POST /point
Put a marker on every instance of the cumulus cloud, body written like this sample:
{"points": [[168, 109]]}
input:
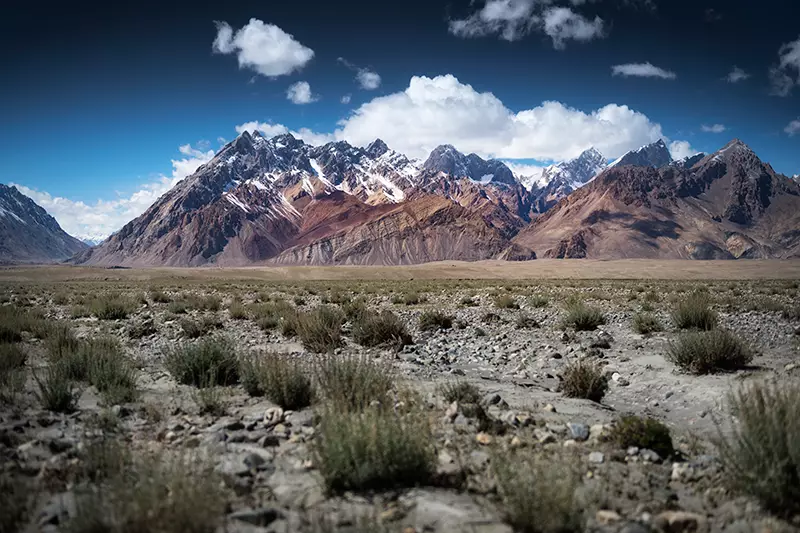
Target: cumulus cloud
{"points": [[96, 221], [269, 130], [681, 150], [513, 19], [792, 128], [642, 70], [366, 78], [346, 99], [736, 75], [714, 128], [786, 74], [264, 48], [300, 93]]}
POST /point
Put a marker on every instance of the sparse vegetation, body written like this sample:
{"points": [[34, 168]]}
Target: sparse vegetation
{"points": [[57, 390], [505, 301], [385, 328], [646, 323], [212, 360], [644, 433], [584, 379], [461, 392], [705, 352], [320, 330], [282, 379], [194, 329], [112, 307], [759, 450], [538, 301], [237, 310], [525, 321], [433, 320], [582, 317], [12, 372], [694, 312], [352, 383]]}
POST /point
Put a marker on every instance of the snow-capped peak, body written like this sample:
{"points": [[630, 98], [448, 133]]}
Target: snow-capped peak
{"points": [[650, 155]]}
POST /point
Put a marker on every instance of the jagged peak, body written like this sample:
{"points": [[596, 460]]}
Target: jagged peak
{"points": [[377, 148]]}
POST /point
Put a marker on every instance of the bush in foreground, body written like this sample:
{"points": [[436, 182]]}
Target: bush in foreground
{"points": [[211, 361], [583, 379], [320, 330], [582, 317], [538, 493], [373, 450], [760, 455], [385, 328], [694, 312], [461, 392], [351, 383], [646, 323], [705, 352], [433, 320], [643, 432], [282, 379], [57, 390]]}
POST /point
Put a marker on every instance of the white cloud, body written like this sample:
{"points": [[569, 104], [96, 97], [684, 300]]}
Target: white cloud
{"points": [[264, 48], [681, 149], [642, 70], [792, 128], [368, 80], [714, 128], [346, 99], [528, 174], [786, 74], [269, 130], [562, 24], [513, 19], [736, 75], [300, 93], [96, 221]]}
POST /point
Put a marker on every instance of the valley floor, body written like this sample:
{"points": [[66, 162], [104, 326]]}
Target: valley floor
{"points": [[474, 397]]}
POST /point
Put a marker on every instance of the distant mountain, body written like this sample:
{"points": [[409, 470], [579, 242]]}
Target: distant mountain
{"points": [[727, 205], [563, 178], [654, 155], [28, 234]]}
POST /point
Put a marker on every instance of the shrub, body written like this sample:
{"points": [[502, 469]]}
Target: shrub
{"points": [[57, 390], [351, 383], [504, 301], [646, 323], [209, 399], [269, 316], [159, 296], [112, 308], [209, 361], [355, 309], [432, 320], [582, 379], [760, 455], [385, 328], [582, 317], [237, 310], [525, 321], [281, 378], [177, 307], [694, 312], [320, 330], [538, 493], [461, 392], [468, 301], [12, 372], [538, 300], [109, 371], [194, 329], [152, 493], [705, 352], [642, 432], [408, 298], [373, 450], [16, 500]]}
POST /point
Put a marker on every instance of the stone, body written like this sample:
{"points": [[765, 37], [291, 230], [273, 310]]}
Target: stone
{"points": [[596, 457], [479, 459], [578, 431], [549, 408], [598, 432], [483, 438], [617, 378], [679, 522], [452, 411], [492, 398], [261, 517], [649, 456], [273, 415], [606, 517]]}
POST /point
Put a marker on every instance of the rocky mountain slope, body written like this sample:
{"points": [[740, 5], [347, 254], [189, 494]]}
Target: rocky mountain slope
{"points": [[28, 234], [727, 205], [562, 179]]}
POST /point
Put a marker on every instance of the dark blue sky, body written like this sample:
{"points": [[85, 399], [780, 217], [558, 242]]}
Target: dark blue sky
{"points": [[97, 98]]}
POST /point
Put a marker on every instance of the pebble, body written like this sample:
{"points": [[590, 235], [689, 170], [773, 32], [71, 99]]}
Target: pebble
{"points": [[649, 456], [578, 431], [596, 457], [549, 408], [617, 378], [483, 438], [605, 517], [679, 522]]}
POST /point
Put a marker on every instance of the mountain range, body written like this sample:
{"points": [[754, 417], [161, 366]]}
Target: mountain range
{"points": [[28, 234], [282, 201]]}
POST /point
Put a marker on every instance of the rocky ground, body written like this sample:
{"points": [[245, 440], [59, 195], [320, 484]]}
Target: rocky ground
{"points": [[260, 463]]}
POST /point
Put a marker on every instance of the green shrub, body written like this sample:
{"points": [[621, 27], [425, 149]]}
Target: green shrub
{"points": [[373, 450], [355, 310], [57, 390], [12, 372], [212, 360], [320, 330], [271, 315], [461, 392], [538, 300], [582, 317], [538, 492], [237, 310], [505, 301], [646, 323], [433, 320], [705, 352], [159, 296], [209, 399], [643, 433], [282, 379], [17, 498], [583, 379], [109, 370], [193, 329], [351, 383], [759, 454], [112, 307], [468, 301], [177, 307], [385, 328], [525, 321], [408, 298], [694, 312]]}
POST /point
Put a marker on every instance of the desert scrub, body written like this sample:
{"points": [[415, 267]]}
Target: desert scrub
{"points": [[705, 352], [57, 390], [237, 310], [408, 298], [433, 320], [582, 317], [112, 307], [645, 323], [386, 328], [505, 301], [12, 372], [109, 370], [352, 383], [584, 379], [194, 329], [469, 301], [538, 301], [17, 497], [759, 451], [282, 379], [160, 297], [212, 360], [694, 312], [271, 315], [320, 330], [538, 492], [179, 494], [525, 321], [375, 449], [460, 391], [642, 432]]}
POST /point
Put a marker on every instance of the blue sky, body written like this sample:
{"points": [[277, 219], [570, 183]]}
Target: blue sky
{"points": [[98, 103]]}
